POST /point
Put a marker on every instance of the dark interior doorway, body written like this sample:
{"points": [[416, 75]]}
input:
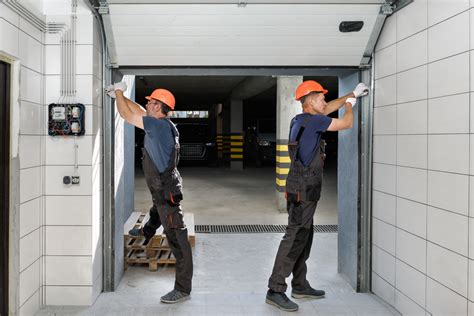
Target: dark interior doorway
{"points": [[4, 182]]}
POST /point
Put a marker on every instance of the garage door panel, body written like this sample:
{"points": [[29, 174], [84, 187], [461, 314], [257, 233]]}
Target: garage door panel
{"points": [[235, 41], [243, 31], [139, 60], [143, 10], [243, 51], [280, 21], [223, 35]]}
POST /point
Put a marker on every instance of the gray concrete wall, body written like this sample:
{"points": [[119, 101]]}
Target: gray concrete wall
{"points": [[348, 189]]}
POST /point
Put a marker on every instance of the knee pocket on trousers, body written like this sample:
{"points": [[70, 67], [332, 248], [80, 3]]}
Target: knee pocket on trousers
{"points": [[174, 218], [295, 212], [299, 243]]}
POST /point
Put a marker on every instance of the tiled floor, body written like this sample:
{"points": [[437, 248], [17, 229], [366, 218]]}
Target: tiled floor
{"points": [[230, 278]]}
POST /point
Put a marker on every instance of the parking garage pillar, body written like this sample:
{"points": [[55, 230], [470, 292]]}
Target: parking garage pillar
{"points": [[287, 108], [236, 134]]}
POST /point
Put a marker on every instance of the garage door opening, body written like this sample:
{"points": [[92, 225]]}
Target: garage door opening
{"points": [[213, 133], [229, 199]]}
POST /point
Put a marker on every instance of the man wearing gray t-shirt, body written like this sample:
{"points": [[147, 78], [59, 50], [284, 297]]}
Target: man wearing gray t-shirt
{"points": [[160, 158]]}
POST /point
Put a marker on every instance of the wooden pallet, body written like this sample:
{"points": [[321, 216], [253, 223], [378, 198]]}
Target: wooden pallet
{"points": [[138, 219], [156, 251], [152, 258]]}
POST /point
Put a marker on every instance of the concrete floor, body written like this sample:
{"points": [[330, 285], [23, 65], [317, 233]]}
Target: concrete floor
{"points": [[231, 270], [222, 196], [230, 278]]}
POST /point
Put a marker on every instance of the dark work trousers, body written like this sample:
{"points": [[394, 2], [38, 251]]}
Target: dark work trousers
{"points": [[171, 217], [295, 247], [154, 222]]}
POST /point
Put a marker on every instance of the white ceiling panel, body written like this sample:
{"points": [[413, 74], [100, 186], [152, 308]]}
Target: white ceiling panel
{"points": [[231, 35]]}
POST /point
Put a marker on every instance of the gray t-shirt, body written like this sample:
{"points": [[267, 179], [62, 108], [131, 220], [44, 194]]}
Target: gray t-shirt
{"points": [[159, 141]]}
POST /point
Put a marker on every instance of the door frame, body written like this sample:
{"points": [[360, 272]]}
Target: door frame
{"points": [[363, 252], [5, 85]]}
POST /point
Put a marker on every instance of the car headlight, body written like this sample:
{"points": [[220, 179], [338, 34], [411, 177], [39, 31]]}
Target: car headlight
{"points": [[264, 143], [210, 144]]}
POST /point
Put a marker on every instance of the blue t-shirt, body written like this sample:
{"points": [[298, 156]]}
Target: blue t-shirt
{"points": [[159, 141], [315, 125]]}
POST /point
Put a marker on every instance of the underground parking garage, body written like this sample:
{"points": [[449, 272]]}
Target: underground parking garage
{"points": [[253, 41]]}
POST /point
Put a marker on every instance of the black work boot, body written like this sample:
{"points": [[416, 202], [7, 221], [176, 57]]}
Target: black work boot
{"points": [[309, 292], [280, 300], [175, 296], [136, 232]]}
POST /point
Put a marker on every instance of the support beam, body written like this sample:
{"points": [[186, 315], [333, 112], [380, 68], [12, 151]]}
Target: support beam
{"points": [[287, 108], [236, 138]]}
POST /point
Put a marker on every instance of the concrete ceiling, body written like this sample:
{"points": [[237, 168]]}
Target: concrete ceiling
{"points": [[189, 90], [255, 33], [193, 91]]}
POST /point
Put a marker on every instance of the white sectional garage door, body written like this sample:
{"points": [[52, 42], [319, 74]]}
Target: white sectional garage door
{"points": [[225, 33]]}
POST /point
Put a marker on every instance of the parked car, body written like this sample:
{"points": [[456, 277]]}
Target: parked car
{"points": [[197, 141], [260, 142]]}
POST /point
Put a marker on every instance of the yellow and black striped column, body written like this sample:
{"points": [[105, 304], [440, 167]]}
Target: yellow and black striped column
{"points": [[220, 145], [282, 164], [236, 147], [226, 147]]}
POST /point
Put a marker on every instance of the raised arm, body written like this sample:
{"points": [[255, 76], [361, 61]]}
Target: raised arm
{"points": [[360, 90], [347, 119], [130, 111], [334, 105]]}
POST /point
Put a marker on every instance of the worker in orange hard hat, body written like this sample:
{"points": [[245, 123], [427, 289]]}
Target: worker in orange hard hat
{"points": [[303, 188], [160, 158]]}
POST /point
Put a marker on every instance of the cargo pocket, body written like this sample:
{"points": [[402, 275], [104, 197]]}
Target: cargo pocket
{"points": [[174, 217], [173, 200], [313, 191], [294, 187], [173, 188], [295, 214]]}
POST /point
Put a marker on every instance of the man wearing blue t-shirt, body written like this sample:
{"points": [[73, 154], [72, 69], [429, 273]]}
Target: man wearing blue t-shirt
{"points": [[303, 188], [160, 158]]}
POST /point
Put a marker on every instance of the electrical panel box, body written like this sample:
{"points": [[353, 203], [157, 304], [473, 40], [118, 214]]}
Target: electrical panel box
{"points": [[66, 119]]}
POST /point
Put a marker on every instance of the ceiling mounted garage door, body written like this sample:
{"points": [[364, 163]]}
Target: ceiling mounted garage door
{"points": [[248, 33]]}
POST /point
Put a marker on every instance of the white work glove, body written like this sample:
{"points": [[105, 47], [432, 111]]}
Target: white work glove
{"points": [[352, 101], [361, 90], [110, 90], [120, 86]]}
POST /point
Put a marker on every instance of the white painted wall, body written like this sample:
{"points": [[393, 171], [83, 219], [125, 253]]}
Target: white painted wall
{"points": [[56, 236], [423, 160]]}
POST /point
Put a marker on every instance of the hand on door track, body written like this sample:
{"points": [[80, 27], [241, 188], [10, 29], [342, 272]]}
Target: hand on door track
{"points": [[120, 86], [361, 90], [110, 90]]}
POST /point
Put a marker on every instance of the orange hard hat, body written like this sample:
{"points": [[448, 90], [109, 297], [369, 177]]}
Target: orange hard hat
{"points": [[164, 96], [308, 86]]}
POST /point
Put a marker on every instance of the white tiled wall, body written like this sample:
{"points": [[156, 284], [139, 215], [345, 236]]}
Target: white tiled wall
{"points": [[60, 253], [72, 275], [20, 42], [423, 231]]}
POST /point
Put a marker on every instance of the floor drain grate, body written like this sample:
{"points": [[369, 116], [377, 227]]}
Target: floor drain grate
{"points": [[249, 229]]}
